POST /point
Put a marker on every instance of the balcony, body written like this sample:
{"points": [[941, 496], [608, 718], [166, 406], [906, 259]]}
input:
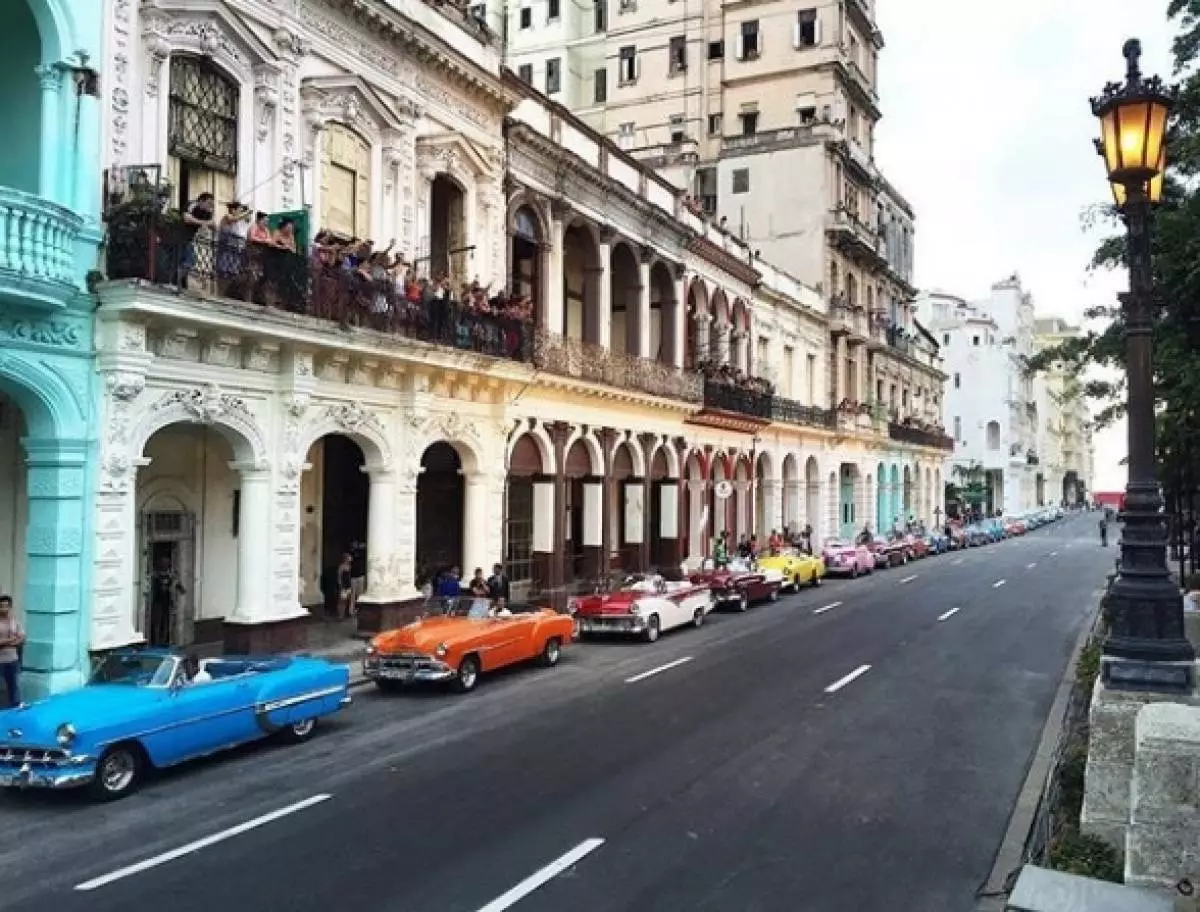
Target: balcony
{"points": [[789, 411], [783, 138], [579, 360], [848, 319], [852, 235], [160, 254], [727, 398], [665, 155], [37, 250], [920, 436], [760, 408]]}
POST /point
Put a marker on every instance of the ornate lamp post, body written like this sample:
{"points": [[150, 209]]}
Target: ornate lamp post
{"points": [[1146, 647]]}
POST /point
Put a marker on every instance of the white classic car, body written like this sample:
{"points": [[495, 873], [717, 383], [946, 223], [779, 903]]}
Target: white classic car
{"points": [[644, 606]]}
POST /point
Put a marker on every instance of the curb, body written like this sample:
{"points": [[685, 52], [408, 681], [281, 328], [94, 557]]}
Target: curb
{"points": [[992, 896]]}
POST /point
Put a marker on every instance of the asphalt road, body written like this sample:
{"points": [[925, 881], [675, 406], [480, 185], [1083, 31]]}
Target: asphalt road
{"points": [[854, 758]]}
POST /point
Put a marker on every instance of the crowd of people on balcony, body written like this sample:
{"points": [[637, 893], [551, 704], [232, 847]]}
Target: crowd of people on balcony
{"points": [[725, 374]]}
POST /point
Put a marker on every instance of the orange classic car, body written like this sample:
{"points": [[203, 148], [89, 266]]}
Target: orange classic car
{"points": [[459, 640]]}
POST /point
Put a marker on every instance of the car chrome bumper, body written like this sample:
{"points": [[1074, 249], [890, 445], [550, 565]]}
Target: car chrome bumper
{"points": [[838, 570], [432, 672], [624, 623], [69, 774]]}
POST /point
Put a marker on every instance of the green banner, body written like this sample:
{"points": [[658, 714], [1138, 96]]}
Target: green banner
{"points": [[300, 218]]}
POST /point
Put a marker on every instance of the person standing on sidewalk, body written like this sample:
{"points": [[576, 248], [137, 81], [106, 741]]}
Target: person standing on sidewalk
{"points": [[1104, 531], [12, 638]]}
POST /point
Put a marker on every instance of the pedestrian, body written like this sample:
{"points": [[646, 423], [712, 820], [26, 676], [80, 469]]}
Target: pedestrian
{"points": [[197, 218], [721, 552], [358, 574], [165, 589], [345, 586], [498, 586], [449, 588], [1104, 531], [479, 588], [12, 638]]}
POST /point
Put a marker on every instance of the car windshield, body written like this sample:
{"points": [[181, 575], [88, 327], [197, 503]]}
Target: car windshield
{"points": [[134, 669], [475, 608]]}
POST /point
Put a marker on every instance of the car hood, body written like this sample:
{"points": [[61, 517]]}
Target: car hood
{"points": [[426, 634], [609, 603], [83, 708]]}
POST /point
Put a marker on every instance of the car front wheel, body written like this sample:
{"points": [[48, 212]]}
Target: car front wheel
{"points": [[743, 604], [468, 674], [299, 731], [551, 652], [118, 773], [816, 580], [653, 629]]}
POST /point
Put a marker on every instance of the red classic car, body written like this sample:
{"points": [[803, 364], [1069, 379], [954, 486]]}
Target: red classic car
{"points": [[740, 585], [645, 606], [917, 546], [889, 552]]}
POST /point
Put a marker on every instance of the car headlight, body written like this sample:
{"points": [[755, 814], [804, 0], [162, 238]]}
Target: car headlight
{"points": [[634, 609], [572, 606], [65, 734], [441, 650], [372, 650]]}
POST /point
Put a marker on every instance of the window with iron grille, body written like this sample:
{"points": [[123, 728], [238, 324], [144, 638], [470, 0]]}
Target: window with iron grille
{"points": [[203, 115]]}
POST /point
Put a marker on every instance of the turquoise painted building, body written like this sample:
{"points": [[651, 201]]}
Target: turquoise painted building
{"points": [[50, 189]]}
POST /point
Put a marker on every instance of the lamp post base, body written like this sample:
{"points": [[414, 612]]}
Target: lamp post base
{"points": [[1142, 675]]}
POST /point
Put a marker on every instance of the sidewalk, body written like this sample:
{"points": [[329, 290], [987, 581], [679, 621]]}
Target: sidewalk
{"points": [[338, 642]]}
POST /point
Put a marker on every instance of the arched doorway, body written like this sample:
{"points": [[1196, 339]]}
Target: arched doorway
{"points": [[21, 99], [626, 523], [583, 515], [812, 506], [581, 285], [441, 503], [697, 354], [849, 481], [448, 230], [697, 512], [527, 564], [721, 500], [882, 502], [188, 503], [664, 512], [626, 285], [335, 502], [525, 260], [664, 315], [1069, 488], [14, 504]]}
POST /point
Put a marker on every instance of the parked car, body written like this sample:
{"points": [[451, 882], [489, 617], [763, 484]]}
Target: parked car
{"points": [[888, 552], [937, 543], [958, 537], [976, 535], [740, 585], [797, 567], [843, 558], [645, 606], [456, 642], [917, 547], [145, 708]]}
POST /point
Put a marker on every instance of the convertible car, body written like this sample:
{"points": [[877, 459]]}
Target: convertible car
{"points": [[645, 606], [917, 545], [458, 642], [889, 552], [740, 584], [142, 709], [796, 567], [842, 558]]}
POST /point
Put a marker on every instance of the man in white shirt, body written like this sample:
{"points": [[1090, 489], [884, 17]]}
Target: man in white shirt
{"points": [[12, 638]]}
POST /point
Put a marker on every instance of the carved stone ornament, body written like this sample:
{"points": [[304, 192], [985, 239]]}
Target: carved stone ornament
{"points": [[57, 333], [205, 405], [124, 387], [352, 417], [115, 476]]}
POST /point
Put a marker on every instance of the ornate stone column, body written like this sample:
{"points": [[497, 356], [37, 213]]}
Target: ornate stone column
{"points": [[477, 530], [554, 306], [50, 78], [382, 569], [254, 531], [642, 305]]}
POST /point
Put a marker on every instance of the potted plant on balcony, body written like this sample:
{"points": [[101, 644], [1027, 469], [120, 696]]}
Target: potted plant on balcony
{"points": [[136, 220]]}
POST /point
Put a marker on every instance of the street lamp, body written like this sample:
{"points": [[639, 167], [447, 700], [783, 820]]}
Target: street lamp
{"points": [[1146, 647]]}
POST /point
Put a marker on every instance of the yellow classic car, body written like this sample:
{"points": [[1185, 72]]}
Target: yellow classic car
{"points": [[797, 568]]}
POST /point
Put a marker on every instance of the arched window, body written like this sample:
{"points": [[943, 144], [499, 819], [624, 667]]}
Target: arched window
{"points": [[993, 435], [202, 131]]}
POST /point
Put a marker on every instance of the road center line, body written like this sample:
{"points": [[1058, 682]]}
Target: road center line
{"points": [[199, 844], [998, 584], [1031, 566], [659, 670], [828, 607], [842, 682], [1054, 554], [909, 579], [957, 562], [949, 614], [542, 877]]}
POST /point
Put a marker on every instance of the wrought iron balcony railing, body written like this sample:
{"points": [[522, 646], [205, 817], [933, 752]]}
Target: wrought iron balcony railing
{"points": [[766, 406], [790, 411], [568, 357], [37, 240], [230, 268], [920, 436]]}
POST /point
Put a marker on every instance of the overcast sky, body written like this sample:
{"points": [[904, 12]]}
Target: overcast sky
{"points": [[987, 132]]}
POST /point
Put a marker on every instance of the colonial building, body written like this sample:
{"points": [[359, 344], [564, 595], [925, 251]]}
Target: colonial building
{"points": [[1065, 426], [49, 234], [263, 412]]}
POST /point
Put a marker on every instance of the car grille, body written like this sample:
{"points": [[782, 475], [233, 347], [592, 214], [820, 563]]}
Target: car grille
{"points": [[405, 661], [35, 755]]}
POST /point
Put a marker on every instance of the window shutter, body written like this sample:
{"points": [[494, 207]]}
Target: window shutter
{"points": [[637, 68], [796, 35], [740, 51], [817, 32], [758, 42]]}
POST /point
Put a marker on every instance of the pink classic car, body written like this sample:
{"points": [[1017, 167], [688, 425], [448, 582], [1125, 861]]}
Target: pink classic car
{"points": [[843, 558]]}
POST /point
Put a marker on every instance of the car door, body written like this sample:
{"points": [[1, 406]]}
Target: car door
{"points": [[510, 640], [214, 715]]}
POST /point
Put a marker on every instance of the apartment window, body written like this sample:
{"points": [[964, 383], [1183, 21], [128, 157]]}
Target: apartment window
{"points": [[714, 124], [993, 435], [600, 90], [706, 189], [741, 180], [975, 341], [553, 9], [678, 55], [553, 75], [627, 6], [945, 338], [600, 12], [854, 123], [525, 73], [677, 130], [810, 379], [904, 398], [625, 135], [957, 381], [716, 50], [526, 15], [627, 71], [807, 29], [749, 41], [957, 427], [749, 121], [879, 391], [807, 115]]}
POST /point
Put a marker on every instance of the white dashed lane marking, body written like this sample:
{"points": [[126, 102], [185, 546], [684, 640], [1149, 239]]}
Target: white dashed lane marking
{"points": [[998, 584], [825, 608], [949, 614], [842, 682]]}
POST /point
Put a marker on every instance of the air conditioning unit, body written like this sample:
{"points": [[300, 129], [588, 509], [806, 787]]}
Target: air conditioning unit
{"points": [[478, 12]]}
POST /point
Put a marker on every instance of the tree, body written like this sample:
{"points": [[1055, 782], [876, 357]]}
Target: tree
{"points": [[1176, 249]]}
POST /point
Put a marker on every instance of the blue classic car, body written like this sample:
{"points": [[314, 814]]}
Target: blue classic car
{"points": [[151, 708]]}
